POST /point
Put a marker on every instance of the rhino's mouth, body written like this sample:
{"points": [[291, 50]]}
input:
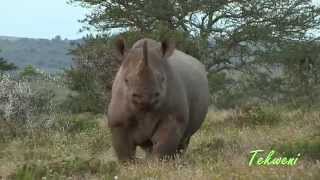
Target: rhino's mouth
{"points": [[147, 106]]}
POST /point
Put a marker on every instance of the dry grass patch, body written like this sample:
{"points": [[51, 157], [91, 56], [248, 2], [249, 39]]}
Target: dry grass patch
{"points": [[220, 150]]}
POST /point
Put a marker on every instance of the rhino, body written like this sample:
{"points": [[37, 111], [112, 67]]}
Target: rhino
{"points": [[159, 99]]}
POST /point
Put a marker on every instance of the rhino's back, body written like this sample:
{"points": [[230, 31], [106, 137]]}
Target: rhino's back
{"points": [[194, 79]]}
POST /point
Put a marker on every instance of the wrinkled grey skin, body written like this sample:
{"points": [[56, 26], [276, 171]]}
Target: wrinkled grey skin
{"points": [[159, 99]]}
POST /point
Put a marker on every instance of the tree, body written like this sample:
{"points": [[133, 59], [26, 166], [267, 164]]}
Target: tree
{"points": [[239, 41], [301, 70], [91, 77], [232, 25], [5, 66], [29, 72], [57, 38]]}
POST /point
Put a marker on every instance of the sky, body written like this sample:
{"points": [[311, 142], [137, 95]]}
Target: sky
{"points": [[40, 19], [43, 18]]}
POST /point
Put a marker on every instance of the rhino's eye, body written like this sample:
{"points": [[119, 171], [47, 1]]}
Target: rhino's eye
{"points": [[126, 80]]}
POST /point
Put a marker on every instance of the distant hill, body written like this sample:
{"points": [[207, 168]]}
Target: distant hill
{"points": [[49, 55]]}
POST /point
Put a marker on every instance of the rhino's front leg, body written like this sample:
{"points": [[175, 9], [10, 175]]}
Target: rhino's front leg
{"points": [[167, 137], [123, 145]]}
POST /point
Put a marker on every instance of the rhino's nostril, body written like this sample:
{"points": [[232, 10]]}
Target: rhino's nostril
{"points": [[157, 94], [137, 96]]}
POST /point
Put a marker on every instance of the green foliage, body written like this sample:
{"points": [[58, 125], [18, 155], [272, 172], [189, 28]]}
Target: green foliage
{"points": [[182, 40], [24, 108], [15, 105], [145, 16], [5, 66], [255, 115], [247, 37], [29, 72], [30, 172], [94, 67], [308, 148], [88, 95], [224, 91], [42, 99], [302, 71]]}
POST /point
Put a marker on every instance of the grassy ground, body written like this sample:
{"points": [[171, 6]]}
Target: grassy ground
{"points": [[220, 150]]}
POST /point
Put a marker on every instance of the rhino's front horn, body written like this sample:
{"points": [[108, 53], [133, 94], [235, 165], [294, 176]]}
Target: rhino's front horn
{"points": [[145, 52], [143, 64]]}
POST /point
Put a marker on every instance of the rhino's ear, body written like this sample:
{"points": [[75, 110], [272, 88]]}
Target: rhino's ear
{"points": [[121, 48], [167, 48]]}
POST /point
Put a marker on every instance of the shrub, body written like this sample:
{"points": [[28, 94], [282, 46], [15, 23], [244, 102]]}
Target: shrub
{"points": [[22, 107], [253, 115], [14, 104], [91, 77], [308, 148]]}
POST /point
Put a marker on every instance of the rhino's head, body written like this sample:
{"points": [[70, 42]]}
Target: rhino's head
{"points": [[144, 74]]}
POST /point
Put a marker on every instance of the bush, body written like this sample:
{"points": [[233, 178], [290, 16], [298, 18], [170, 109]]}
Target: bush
{"points": [[15, 103], [91, 77], [88, 94], [224, 91], [308, 148], [22, 107], [42, 101], [253, 115]]}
